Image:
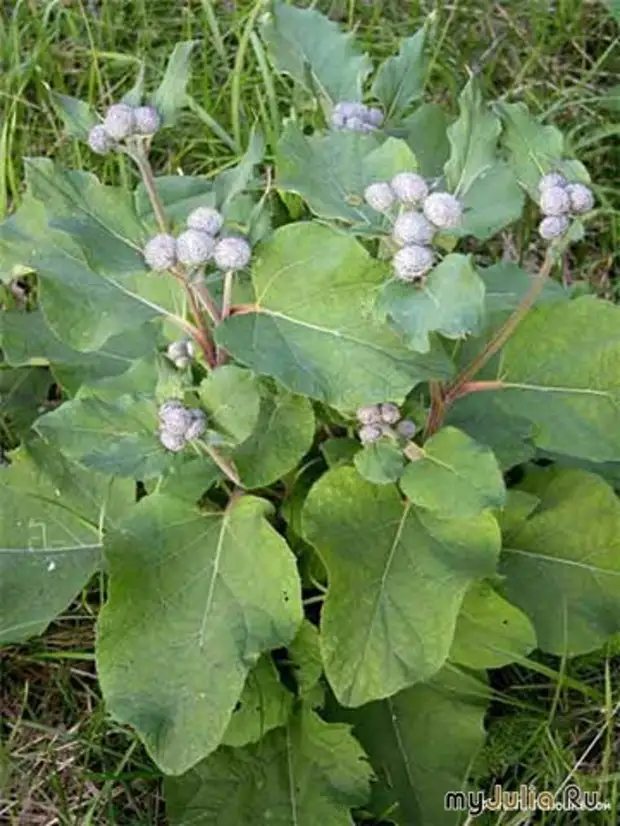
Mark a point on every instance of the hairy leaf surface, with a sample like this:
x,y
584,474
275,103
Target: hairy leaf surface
x,y
561,560
52,518
206,592
312,328
397,577
306,773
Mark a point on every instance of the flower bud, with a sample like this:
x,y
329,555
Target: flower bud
x,y
581,198
413,228
412,262
174,417
171,441
410,188
161,252
553,226
406,429
146,120
551,179
443,210
369,414
370,433
99,140
554,200
232,253
374,117
197,425
379,196
195,248
390,413
120,121
205,219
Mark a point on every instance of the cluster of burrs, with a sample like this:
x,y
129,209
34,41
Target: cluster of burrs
x,y
122,122
418,215
355,117
559,199
379,420
200,243
179,425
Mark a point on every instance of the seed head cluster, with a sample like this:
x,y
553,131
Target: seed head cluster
x,y
179,425
558,200
355,117
383,420
198,244
420,214
122,122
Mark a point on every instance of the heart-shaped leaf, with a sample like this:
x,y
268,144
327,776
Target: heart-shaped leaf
x,y
490,631
450,302
392,568
312,328
561,562
400,79
422,743
560,371
312,49
52,517
207,591
308,772
455,476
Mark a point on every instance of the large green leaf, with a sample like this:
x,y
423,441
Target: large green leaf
x,y
77,116
426,133
207,592
490,631
264,705
114,437
27,339
305,654
381,462
397,577
400,80
283,434
422,743
84,241
327,171
450,302
307,773
231,396
312,328
52,515
506,283
331,171
534,149
454,477
23,394
488,188
473,140
493,201
481,416
561,561
561,370
309,47
169,97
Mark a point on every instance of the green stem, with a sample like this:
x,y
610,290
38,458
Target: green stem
x,y
201,333
442,398
224,465
148,179
501,336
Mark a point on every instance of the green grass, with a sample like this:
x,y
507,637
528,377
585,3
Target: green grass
x,y
68,763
